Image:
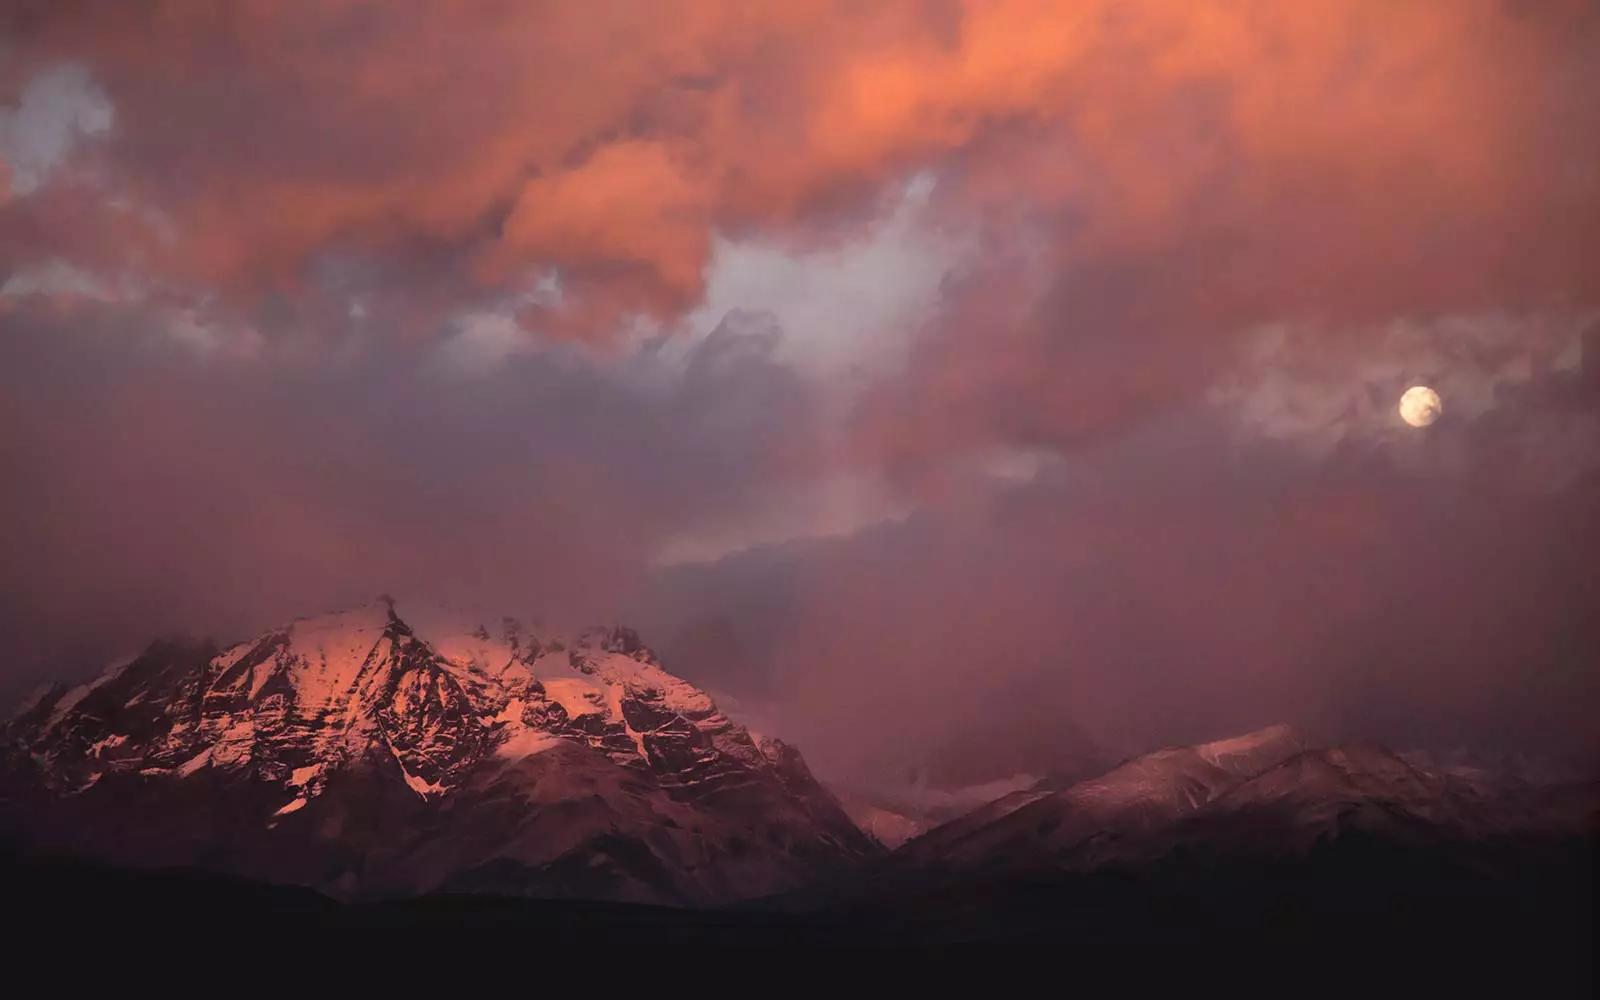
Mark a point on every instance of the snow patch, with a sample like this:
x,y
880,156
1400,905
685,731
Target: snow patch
x,y
1247,743
295,806
525,743
233,654
196,762
109,743
473,652
634,675
326,655
890,829
422,787
577,695
259,675
235,744
551,665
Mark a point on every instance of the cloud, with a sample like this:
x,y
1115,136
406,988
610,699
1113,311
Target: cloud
x,y
57,110
838,506
1334,143
944,319
851,308
55,278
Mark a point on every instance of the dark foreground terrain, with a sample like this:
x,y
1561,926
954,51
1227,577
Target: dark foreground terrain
x,y
1359,918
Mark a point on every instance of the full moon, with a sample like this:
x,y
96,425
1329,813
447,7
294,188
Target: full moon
x,y
1420,406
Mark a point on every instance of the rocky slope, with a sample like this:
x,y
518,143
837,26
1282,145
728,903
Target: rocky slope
x,y
368,754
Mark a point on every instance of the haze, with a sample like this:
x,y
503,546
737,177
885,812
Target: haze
x,y
912,373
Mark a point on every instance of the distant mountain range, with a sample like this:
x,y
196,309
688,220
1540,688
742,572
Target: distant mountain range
x,y
1264,795
1257,857
374,757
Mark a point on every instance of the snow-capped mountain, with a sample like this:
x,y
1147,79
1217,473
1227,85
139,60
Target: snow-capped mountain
x,y
1138,793
1265,793
367,754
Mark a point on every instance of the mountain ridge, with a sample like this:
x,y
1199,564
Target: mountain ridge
x,y
1245,800
372,755
345,749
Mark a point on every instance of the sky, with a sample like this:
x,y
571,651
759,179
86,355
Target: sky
x,y
917,374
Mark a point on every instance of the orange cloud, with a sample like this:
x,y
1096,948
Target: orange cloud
x,y
609,139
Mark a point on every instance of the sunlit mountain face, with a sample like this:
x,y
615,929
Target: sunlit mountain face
x,y
954,484
354,754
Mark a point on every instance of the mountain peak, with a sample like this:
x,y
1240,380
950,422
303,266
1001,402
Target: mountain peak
x,y
1254,751
290,730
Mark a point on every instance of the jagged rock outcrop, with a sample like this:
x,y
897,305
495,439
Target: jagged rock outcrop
x,y
365,753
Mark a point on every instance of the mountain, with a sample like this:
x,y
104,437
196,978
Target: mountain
x,y
367,755
1143,793
1247,861
896,814
1010,746
1261,857
1237,804
940,816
